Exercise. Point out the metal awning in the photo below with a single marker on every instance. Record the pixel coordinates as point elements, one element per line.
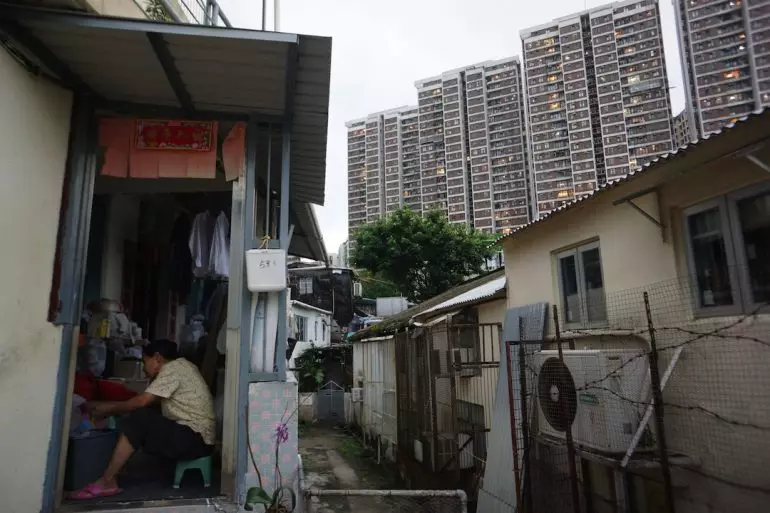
<point>187,71</point>
<point>306,241</point>
<point>484,291</point>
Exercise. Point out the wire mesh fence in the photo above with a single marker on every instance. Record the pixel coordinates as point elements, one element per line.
<point>646,400</point>
<point>386,501</point>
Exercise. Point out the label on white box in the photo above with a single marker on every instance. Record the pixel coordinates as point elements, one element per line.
<point>266,270</point>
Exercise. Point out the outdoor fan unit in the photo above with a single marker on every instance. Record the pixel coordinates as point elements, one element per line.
<point>599,394</point>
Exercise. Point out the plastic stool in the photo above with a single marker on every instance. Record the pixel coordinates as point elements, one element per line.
<point>201,464</point>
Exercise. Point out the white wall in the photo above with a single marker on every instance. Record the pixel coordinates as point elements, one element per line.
<point>35,123</point>
<point>122,225</point>
<point>122,8</point>
<point>314,330</point>
<point>374,366</point>
<point>722,369</point>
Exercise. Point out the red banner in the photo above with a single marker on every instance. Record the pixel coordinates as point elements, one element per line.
<point>154,134</point>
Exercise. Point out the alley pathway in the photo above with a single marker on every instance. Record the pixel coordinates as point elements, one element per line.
<point>333,459</point>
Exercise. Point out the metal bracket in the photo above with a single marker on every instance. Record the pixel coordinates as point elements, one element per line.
<point>754,160</point>
<point>629,200</point>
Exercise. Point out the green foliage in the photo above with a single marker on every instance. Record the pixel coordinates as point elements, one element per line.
<point>257,496</point>
<point>375,285</point>
<point>311,363</point>
<point>157,11</point>
<point>421,255</point>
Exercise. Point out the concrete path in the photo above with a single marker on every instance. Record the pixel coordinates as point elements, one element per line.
<point>335,460</point>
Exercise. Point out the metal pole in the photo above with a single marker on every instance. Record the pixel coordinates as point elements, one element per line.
<point>276,15</point>
<point>268,190</point>
<point>657,396</point>
<point>264,14</point>
<point>214,14</point>
<point>171,12</point>
<point>246,324</point>
<point>283,233</point>
<point>568,426</point>
<point>527,469</point>
<point>511,409</point>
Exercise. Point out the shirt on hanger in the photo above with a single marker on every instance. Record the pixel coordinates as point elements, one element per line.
<point>200,243</point>
<point>219,258</point>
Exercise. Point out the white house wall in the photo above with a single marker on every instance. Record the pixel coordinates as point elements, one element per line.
<point>314,332</point>
<point>374,365</point>
<point>35,123</point>
<point>719,373</point>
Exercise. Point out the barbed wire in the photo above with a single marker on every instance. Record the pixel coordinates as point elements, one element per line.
<point>687,331</point>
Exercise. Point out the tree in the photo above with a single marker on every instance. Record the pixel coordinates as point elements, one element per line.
<point>375,285</point>
<point>421,255</point>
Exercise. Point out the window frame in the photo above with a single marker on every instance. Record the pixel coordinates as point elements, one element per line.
<point>303,330</point>
<point>719,203</point>
<point>739,245</point>
<point>305,285</point>
<point>576,252</point>
<point>732,233</point>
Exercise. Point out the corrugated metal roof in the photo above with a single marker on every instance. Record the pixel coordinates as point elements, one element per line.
<point>660,160</point>
<point>400,320</point>
<point>310,307</point>
<point>216,70</point>
<point>483,291</point>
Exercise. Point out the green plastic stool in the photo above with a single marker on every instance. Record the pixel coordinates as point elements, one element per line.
<point>202,464</point>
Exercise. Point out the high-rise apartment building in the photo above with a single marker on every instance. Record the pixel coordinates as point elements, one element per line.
<point>383,165</point>
<point>472,145</point>
<point>597,97</point>
<point>725,50</point>
<point>356,174</point>
<point>683,133</point>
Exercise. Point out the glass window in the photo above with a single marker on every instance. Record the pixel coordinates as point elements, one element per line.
<point>581,285</point>
<point>300,328</point>
<point>728,243</point>
<point>305,285</point>
<point>754,219</point>
<point>570,295</point>
<point>709,258</point>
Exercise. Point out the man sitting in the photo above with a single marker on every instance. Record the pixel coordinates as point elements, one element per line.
<point>183,429</point>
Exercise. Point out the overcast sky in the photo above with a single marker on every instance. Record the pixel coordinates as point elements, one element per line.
<point>380,47</point>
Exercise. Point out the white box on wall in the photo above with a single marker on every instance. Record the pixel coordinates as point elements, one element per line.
<point>266,270</point>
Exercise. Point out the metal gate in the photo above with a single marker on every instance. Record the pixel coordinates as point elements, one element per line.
<point>330,404</point>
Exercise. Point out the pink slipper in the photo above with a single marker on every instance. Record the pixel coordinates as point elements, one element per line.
<point>94,491</point>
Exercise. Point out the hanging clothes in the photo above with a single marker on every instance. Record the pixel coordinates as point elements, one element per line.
<point>219,258</point>
<point>200,243</point>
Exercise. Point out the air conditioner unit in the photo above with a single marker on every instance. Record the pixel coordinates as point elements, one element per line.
<point>357,395</point>
<point>358,289</point>
<point>599,394</point>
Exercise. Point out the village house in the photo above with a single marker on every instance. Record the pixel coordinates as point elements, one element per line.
<point>88,211</point>
<point>424,383</point>
<point>691,231</point>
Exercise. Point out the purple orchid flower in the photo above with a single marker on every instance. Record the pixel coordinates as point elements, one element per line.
<point>282,432</point>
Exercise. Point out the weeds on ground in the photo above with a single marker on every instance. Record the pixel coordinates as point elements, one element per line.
<point>302,428</point>
<point>353,449</point>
